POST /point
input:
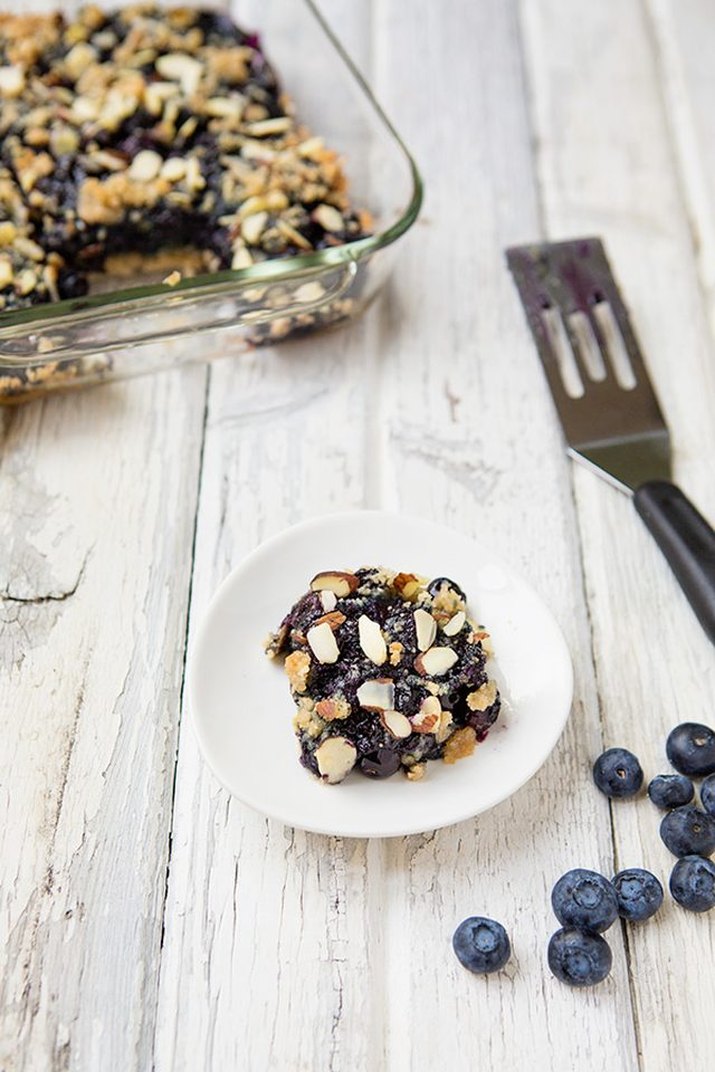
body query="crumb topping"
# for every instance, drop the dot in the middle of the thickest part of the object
(372, 672)
(145, 128)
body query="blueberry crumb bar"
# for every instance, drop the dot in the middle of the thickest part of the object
(146, 131)
(387, 670)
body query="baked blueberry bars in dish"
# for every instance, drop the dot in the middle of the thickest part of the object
(146, 130)
(387, 670)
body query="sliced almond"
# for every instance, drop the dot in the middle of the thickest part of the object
(329, 600)
(226, 107)
(435, 662)
(397, 724)
(264, 128)
(335, 758)
(329, 218)
(309, 292)
(173, 169)
(323, 643)
(253, 227)
(426, 629)
(178, 67)
(342, 584)
(455, 624)
(428, 716)
(334, 619)
(377, 695)
(241, 258)
(372, 641)
(12, 81)
(145, 166)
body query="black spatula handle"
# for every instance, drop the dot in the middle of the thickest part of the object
(687, 541)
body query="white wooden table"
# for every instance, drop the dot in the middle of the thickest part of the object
(148, 921)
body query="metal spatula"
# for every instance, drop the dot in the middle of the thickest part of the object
(608, 411)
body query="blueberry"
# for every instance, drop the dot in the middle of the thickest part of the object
(481, 945)
(382, 763)
(691, 749)
(584, 899)
(707, 794)
(639, 894)
(692, 883)
(579, 958)
(671, 790)
(617, 773)
(688, 832)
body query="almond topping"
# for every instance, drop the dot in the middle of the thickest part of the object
(329, 218)
(342, 584)
(322, 643)
(428, 716)
(397, 724)
(372, 641)
(329, 600)
(334, 619)
(335, 758)
(377, 695)
(426, 629)
(455, 624)
(178, 67)
(12, 81)
(435, 662)
(145, 166)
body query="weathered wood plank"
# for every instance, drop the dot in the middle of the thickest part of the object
(608, 165)
(478, 444)
(289, 951)
(97, 506)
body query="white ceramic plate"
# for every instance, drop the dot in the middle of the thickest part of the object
(242, 708)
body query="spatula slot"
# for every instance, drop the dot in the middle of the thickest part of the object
(587, 345)
(563, 353)
(617, 351)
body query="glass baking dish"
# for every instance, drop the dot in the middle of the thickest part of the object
(127, 331)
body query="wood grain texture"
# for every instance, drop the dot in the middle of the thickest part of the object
(93, 598)
(619, 176)
(432, 420)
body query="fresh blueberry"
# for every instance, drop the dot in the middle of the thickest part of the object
(688, 831)
(579, 958)
(671, 790)
(707, 794)
(482, 945)
(639, 894)
(692, 883)
(382, 763)
(617, 773)
(584, 899)
(691, 749)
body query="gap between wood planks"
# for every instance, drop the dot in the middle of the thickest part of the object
(181, 707)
